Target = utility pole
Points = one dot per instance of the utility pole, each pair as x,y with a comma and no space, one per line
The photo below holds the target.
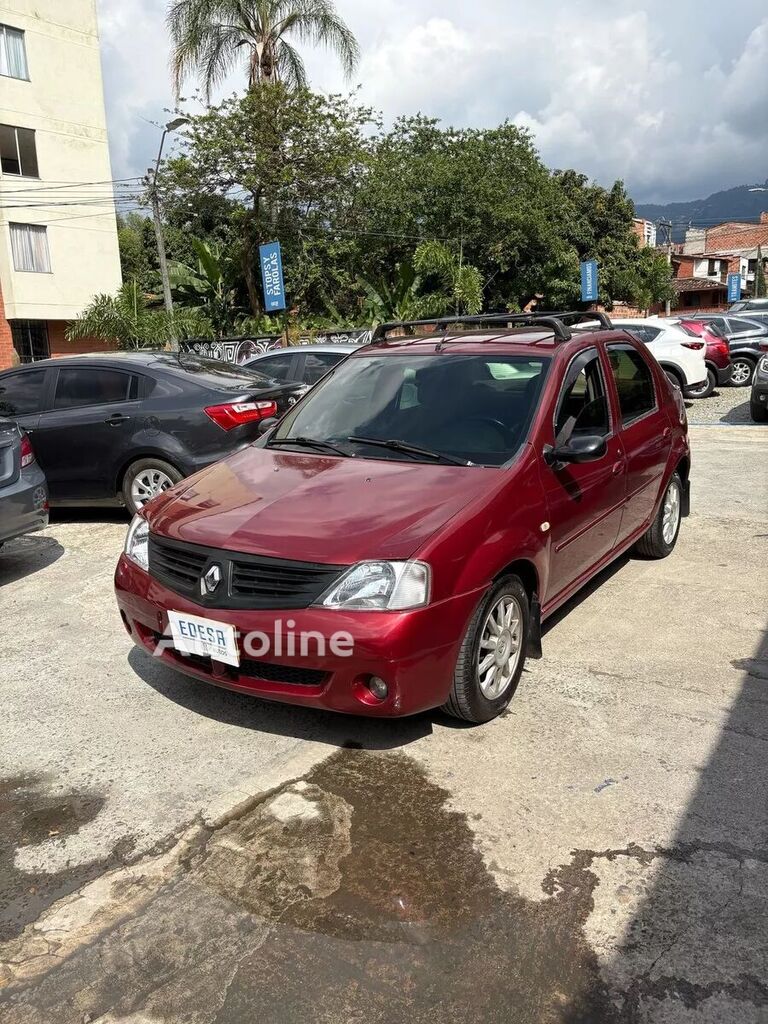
152,175
667,226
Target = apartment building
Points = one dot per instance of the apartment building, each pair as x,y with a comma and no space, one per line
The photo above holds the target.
58,234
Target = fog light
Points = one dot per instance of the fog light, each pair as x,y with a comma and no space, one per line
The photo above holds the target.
378,688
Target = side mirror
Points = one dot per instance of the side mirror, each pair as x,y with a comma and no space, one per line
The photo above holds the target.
584,448
267,424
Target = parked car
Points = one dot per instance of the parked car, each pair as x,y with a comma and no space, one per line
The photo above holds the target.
758,400
306,364
428,504
717,354
123,426
750,306
747,341
680,356
23,491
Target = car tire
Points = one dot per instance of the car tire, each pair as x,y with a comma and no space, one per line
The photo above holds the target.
673,379
759,413
660,538
145,476
742,372
503,615
706,389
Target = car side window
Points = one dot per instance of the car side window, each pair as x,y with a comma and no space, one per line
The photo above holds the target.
80,386
21,394
634,382
584,401
317,364
278,366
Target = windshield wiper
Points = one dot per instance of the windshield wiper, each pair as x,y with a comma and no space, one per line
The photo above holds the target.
410,449
310,442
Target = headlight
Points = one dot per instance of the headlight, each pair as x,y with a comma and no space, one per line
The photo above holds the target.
137,542
380,586
762,367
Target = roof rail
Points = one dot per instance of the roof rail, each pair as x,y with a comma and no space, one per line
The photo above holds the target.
554,321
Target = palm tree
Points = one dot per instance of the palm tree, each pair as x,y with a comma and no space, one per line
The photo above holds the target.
207,36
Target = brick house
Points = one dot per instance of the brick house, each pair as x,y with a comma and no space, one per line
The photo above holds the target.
736,241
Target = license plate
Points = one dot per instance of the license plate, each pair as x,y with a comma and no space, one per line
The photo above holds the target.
193,634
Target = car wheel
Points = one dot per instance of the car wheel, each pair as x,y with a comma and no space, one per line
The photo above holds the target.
492,654
706,388
674,380
661,537
145,479
742,370
759,413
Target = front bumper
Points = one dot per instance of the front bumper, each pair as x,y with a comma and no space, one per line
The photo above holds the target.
24,504
414,652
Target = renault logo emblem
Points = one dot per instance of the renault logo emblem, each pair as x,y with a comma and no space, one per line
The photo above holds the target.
210,581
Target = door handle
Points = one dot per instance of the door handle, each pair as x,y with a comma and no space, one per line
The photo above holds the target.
666,432
116,419
618,466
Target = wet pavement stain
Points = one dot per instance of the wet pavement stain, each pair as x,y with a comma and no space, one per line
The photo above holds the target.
354,894
29,816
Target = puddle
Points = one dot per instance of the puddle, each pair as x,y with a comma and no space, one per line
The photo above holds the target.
29,816
354,894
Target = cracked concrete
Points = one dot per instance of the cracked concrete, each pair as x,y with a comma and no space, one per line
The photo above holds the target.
649,893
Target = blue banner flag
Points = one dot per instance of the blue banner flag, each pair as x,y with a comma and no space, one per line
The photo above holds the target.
589,281
734,287
272,276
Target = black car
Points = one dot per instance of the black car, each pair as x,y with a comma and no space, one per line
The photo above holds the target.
119,428
747,340
758,400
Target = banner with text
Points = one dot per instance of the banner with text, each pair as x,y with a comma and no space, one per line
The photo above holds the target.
272,276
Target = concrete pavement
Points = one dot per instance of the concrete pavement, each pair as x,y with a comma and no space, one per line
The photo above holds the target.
172,853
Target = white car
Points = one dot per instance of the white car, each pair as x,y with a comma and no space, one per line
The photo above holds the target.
680,356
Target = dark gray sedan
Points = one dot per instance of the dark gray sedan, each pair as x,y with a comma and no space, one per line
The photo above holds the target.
23,490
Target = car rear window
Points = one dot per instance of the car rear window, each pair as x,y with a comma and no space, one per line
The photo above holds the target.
214,373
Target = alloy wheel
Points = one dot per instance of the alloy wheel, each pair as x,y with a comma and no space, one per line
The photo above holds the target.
741,372
671,517
147,484
500,647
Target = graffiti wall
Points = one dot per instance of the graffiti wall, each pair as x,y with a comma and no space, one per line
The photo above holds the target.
238,350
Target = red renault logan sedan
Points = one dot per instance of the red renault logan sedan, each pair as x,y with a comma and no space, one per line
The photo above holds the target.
395,541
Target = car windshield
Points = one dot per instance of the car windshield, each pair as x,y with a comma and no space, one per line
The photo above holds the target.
454,408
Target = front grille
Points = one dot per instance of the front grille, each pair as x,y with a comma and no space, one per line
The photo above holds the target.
247,581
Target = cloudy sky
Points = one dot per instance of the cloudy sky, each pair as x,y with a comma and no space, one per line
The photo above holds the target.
670,95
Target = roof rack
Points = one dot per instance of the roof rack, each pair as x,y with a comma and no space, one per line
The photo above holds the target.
555,321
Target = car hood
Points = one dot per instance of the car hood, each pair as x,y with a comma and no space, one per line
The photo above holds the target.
316,508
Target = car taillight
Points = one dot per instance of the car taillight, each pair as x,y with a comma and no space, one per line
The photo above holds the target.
235,414
695,345
721,347
27,453
763,346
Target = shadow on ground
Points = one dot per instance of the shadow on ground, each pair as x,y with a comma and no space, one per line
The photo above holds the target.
27,555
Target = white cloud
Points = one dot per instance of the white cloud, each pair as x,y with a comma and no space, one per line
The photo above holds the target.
671,97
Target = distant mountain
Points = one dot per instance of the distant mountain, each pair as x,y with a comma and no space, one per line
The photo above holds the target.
733,204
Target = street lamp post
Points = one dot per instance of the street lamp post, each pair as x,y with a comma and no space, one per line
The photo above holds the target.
152,175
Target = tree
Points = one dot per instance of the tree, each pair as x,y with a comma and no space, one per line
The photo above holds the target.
760,287
457,288
645,281
290,163
210,285
207,37
128,319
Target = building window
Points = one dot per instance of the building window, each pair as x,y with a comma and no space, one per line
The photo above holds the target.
13,53
18,152
29,244
712,268
30,339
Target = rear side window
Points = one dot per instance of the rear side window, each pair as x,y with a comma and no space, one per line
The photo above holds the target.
277,366
583,400
634,382
317,364
22,393
79,386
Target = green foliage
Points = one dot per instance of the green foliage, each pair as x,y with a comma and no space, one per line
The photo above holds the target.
211,285
760,287
128,319
211,36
